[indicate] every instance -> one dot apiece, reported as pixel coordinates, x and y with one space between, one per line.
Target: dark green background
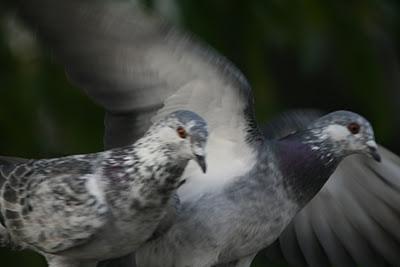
325 54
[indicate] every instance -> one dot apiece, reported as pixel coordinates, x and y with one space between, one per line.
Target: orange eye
354 128
181 132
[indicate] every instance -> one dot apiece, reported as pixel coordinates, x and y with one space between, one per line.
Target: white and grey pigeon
80 209
353 219
139 68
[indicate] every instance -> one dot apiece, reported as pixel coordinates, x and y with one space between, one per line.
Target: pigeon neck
304 166
153 168
159 161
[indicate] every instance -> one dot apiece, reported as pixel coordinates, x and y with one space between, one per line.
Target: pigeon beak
373 150
201 160
198 150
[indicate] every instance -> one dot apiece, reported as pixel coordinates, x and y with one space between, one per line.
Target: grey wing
48 207
289 122
139 68
243 262
172 210
353 220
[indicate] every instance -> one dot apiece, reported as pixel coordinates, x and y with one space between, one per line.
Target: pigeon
138 68
254 208
352 220
77 210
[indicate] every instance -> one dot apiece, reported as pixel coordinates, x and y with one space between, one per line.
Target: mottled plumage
138 68
101 205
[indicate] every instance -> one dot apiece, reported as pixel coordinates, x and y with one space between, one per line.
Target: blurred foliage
323 54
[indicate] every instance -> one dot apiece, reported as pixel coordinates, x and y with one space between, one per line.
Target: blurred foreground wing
353 220
139 68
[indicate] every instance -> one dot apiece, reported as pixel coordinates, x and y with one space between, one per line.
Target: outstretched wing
353 220
47 204
139 68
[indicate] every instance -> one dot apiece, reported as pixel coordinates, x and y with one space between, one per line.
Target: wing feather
50 214
138 67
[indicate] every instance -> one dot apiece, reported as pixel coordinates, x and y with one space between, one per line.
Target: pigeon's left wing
353 220
46 204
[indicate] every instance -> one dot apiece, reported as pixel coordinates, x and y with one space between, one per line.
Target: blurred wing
139 68
353 220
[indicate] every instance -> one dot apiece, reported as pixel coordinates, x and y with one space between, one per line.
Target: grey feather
289 239
289 122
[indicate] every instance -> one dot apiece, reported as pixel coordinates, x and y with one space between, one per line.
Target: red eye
181 132
354 127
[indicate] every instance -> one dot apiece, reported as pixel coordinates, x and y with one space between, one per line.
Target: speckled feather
55 205
46 204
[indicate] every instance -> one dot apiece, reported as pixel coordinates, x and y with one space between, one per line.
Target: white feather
226 160
228 154
94 188
336 132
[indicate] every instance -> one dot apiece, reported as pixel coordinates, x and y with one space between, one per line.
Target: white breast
226 159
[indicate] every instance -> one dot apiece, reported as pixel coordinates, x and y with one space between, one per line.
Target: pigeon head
343 133
186 132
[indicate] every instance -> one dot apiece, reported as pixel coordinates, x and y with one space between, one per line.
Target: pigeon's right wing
289 122
354 220
139 68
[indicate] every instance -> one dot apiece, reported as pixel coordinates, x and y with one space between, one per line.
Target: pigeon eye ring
181 132
354 127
